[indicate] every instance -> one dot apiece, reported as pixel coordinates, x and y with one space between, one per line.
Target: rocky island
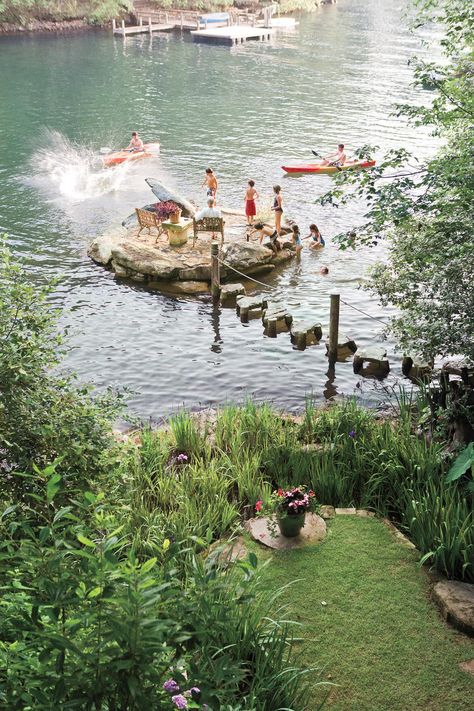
149 257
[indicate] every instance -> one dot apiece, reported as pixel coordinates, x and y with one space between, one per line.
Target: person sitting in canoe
136 144
338 158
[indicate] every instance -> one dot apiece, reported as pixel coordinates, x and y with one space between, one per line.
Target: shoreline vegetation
53 16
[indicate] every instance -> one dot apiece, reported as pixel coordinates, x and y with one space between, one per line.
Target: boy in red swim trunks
250 196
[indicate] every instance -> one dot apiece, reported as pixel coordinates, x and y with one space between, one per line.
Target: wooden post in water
140 21
182 21
114 26
123 27
215 272
334 326
149 26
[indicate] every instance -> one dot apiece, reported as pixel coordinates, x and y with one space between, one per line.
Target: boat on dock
122 156
215 19
319 169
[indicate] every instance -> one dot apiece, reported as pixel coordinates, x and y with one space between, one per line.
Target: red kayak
319 169
117 157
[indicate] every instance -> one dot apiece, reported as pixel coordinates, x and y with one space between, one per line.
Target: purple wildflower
352 434
181 458
171 686
179 701
195 693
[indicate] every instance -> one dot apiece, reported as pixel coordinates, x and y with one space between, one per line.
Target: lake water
245 111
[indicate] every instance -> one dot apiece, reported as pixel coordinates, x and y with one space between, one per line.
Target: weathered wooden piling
334 326
215 272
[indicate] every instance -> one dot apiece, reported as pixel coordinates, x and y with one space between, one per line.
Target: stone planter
290 526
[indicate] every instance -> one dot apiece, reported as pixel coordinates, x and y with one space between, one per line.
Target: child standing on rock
250 196
210 181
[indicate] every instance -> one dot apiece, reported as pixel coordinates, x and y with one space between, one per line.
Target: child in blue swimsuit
316 237
297 239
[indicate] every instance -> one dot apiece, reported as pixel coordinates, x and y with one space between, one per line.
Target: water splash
74 171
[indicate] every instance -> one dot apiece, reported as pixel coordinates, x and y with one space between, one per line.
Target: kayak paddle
318 155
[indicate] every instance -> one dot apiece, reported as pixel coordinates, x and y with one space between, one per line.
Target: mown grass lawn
379 637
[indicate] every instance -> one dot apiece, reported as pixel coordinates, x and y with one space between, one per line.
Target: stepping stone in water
345 347
313 531
415 368
371 361
230 292
305 333
277 320
250 307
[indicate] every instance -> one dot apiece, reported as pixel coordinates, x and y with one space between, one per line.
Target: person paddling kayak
136 144
338 158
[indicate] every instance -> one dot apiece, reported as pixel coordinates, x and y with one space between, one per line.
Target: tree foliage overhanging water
426 207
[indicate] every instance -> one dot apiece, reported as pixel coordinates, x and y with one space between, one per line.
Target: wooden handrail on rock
209 224
148 220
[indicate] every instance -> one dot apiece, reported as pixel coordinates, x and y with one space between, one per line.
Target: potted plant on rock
288 509
167 210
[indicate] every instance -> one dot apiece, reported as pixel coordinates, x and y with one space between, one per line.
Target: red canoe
117 157
319 169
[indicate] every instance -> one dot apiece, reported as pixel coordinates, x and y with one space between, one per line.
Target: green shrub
44 414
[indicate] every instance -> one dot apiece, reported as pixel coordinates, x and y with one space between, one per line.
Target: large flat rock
456 601
313 531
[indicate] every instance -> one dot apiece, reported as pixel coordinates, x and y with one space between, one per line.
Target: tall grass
346 454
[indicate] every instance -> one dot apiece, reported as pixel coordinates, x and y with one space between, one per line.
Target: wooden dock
233 34
141 28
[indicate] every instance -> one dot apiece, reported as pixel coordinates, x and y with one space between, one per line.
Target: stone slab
371 354
327 512
229 292
346 512
456 602
467 667
312 330
313 531
363 513
252 303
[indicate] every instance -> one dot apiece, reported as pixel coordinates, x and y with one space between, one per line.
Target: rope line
364 312
267 286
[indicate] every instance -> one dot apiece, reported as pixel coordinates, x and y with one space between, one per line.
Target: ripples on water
246 111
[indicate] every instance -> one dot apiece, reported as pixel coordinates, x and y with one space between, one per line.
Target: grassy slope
379 637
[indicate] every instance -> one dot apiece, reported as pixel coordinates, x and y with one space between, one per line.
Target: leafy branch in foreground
424 209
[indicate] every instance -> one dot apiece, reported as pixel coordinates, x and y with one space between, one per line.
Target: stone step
276 319
230 292
371 361
305 333
416 368
345 347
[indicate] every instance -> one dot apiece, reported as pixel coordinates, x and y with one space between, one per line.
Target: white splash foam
73 171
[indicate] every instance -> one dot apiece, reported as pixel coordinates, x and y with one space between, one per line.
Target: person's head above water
324 270
314 228
295 229
210 201
209 171
134 134
341 146
251 183
276 189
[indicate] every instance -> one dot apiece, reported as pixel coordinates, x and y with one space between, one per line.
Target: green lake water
245 111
